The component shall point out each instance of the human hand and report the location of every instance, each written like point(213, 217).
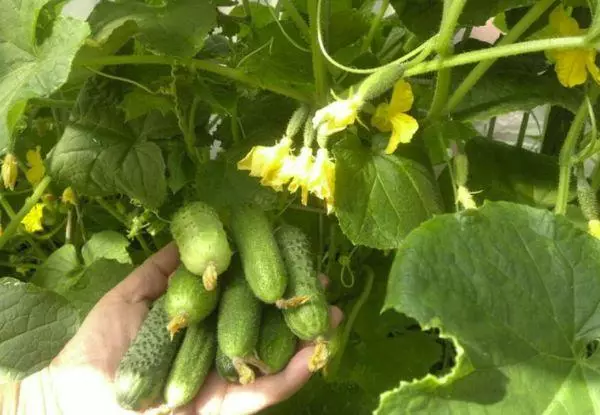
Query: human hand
point(79, 380)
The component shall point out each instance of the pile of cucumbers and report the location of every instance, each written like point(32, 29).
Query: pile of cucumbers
point(244, 313)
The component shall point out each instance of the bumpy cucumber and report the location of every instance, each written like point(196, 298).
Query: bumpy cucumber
point(202, 241)
point(143, 370)
point(192, 363)
point(310, 320)
point(277, 343)
point(239, 323)
point(187, 301)
point(261, 260)
point(225, 367)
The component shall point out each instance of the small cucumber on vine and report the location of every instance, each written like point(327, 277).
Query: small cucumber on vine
point(187, 301)
point(192, 363)
point(225, 367)
point(239, 324)
point(310, 320)
point(261, 260)
point(202, 241)
point(277, 343)
point(143, 370)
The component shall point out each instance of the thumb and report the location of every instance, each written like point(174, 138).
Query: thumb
point(148, 281)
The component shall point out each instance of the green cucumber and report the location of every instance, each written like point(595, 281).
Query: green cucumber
point(310, 319)
point(202, 241)
point(187, 301)
point(192, 363)
point(277, 343)
point(239, 323)
point(261, 260)
point(143, 370)
point(225, 367)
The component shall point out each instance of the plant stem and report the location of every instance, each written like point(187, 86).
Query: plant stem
point(523, 129)
point(15, 222)
point(298, 20)
point(444, 48)
point(566, 155)
point(247, 10)
point(491, 128)
point(208, 66)
point(343, 333)
point(452, 11)
point(374, 26)
point(475, 75)
point(319, 68)
point(106, 206)
point(494, 53)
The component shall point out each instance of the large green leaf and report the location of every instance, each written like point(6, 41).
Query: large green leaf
point(380, 198)
point(97, 279)
point(518, 290)
point(29, 70)
point(35, 323)
point(178, 28)
point(98, 154)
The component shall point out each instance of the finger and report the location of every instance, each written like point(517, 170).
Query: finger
point(149, 280)
point(269, 390)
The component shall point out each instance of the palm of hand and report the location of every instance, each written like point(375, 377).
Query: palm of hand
point(80, 378)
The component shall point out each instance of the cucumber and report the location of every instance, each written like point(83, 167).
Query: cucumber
point(225, 367)
point(187, 301)
point(202, 241)
point(192, 363)
point(310, 319)
point(143, 370)
point(239, 323)
point(261, 260)
point(277, 343)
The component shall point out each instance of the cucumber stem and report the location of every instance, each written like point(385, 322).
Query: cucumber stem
point(209, 276)
point(177, 323)
point(245, 372)
point(319, 358)
point(293, 302)
point(259, 364)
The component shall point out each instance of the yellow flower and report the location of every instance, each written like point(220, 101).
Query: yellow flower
point(36, 170)
point(594, 228)
point(266, 162)
point(336, 116)
point(301, 171)
point(321, 180)
point(33, 220)
point(68, 196)
point(10, 171)
point(392, 117)
point(571, 65)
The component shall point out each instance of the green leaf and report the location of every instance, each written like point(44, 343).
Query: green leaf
point(423, 17)
point(36, 324)
point(108, 245)
point(97, 279)
point(99, 155)
point(29, 70)
point(498, 171)
point(222, 185)
point(517, 289)
point(380, 198)
point(57, 272)
point(179, 28)
point(138, 103)
point(502, 89)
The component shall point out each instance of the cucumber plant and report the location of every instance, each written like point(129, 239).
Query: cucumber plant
point(449, 146)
